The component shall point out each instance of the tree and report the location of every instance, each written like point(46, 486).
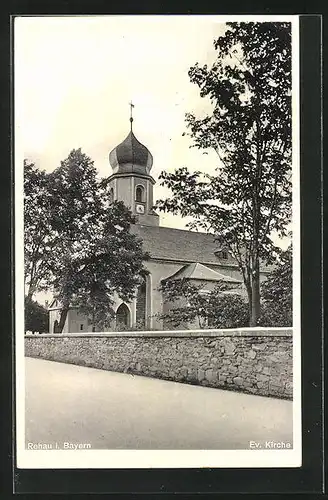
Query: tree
point(39, 240)
point(88, 254)
point(36, 317)
point(99, 256)
point(249, 198)
point(188, 303)
point(93, 271)
point(227, 311)
point(277, 293)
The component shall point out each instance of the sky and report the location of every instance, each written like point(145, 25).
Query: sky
point(75, 77)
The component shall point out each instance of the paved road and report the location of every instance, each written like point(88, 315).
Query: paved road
point(68, 403)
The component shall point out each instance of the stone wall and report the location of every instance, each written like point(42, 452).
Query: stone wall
point(257, 361)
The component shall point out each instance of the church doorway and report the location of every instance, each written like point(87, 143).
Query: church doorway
point(123, 317)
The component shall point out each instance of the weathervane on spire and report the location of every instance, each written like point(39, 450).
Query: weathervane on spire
point(131, 117)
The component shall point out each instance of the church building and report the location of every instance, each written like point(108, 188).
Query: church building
point(174, 253)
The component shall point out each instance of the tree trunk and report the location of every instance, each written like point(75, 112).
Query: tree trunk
point(93, 328)
point(250, 301)
point(31, 291)
point(63, 316)
point(255, 298)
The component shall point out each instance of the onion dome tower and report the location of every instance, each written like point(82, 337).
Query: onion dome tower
point(131, 181)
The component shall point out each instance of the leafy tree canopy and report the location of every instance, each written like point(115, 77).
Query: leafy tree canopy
point(87, 248)
point(249, 197)
point(40, 242)
point(36, 317)
point(190, 304)
point(277, 293)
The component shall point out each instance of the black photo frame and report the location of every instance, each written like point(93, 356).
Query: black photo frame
point(309, 478)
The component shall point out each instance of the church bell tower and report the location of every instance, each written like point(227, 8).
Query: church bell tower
point(131, 181)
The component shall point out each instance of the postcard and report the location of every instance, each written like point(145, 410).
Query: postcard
point(157, 241)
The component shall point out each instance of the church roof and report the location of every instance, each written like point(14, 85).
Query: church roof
point(131, 157)
point(197, 271)
point(166, 243)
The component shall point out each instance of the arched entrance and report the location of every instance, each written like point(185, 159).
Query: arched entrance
point(123, 317)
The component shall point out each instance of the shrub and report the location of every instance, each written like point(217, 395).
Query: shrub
point(36, 317)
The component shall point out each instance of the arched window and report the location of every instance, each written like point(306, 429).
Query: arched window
point(123, 317)
point(140, 193)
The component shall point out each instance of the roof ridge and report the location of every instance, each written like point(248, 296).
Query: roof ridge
point(192, 267)
point(176, 229)
point(199, 271)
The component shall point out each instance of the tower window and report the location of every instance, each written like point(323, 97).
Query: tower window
point(140, 193)
point(111, 195)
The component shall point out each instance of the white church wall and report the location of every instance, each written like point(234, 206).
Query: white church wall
point(158, 270)
point(124, 191)
point(54, 314)
point(77, 322)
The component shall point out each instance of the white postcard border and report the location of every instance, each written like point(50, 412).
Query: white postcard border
point(113, 459)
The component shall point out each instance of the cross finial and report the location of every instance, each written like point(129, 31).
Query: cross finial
point(131, 117)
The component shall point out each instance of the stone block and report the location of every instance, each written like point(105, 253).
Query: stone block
point(201, 375)
point(211, 375)
point(258, 347)
point(238, 381)
point(252, 354)
point(263, 385)
point(247, 383)
point(230, 348)
point(263, 378)
point(274, 387)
